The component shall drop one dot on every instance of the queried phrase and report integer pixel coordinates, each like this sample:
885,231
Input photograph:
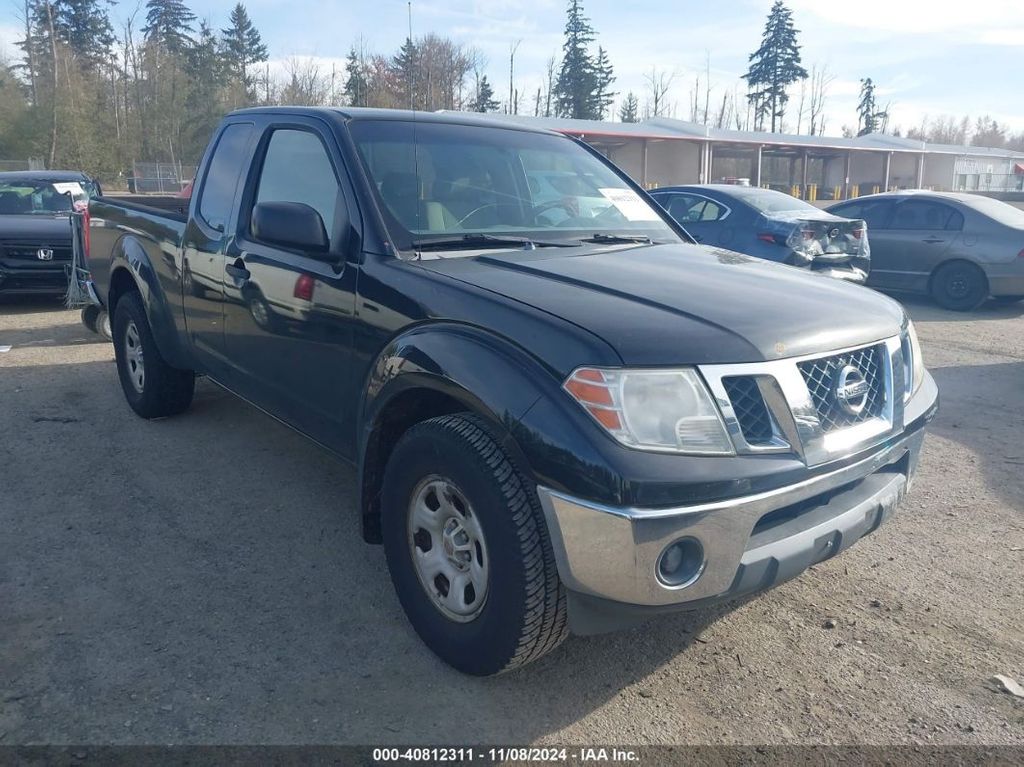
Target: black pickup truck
564,413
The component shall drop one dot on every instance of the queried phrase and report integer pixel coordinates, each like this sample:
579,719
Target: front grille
822,378
751,412
29,251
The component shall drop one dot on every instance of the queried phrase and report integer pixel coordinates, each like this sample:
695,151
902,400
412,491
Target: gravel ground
202,580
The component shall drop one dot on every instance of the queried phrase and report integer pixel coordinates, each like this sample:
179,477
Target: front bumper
48,281
608,557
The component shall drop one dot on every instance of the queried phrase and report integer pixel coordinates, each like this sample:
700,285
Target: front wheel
468,548
153,388
959,286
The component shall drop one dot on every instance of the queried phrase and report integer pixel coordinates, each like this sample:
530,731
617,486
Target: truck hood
684,304
35,227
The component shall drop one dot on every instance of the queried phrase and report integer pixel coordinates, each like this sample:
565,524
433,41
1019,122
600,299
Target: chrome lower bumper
613,553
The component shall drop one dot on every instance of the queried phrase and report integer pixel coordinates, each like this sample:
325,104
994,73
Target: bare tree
513,100
821,80
658,83
305,84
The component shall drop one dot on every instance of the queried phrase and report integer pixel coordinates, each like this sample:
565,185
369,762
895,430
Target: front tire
153,388
468,548
959,286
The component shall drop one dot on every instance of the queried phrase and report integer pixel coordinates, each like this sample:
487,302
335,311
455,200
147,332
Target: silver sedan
958,248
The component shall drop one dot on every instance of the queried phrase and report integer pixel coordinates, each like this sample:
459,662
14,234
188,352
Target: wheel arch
434,371
132,270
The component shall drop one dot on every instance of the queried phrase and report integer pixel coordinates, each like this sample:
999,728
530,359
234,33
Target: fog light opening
681,563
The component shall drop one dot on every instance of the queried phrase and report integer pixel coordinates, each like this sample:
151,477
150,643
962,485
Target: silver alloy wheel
133,357
446,543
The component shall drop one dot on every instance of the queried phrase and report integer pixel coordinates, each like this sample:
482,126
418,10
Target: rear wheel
468,548
153,388
959,286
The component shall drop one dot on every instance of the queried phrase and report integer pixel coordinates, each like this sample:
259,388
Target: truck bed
164,206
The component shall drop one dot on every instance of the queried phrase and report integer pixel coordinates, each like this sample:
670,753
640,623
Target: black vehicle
564,414
769,224
35,237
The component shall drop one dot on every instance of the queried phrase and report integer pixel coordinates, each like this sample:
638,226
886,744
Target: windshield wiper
600,237
479,240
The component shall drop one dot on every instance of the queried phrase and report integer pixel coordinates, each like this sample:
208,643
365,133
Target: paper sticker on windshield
72,187
630,205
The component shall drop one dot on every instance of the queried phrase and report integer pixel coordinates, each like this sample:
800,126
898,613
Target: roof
43,175
654,128
406,115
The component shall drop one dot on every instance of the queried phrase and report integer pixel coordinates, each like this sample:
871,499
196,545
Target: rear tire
517,612
959,286
153,388
90,315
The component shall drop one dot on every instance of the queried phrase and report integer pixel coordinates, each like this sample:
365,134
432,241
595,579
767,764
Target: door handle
238,271
933,240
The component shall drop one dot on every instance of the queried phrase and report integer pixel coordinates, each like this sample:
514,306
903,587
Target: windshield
37,197
438,181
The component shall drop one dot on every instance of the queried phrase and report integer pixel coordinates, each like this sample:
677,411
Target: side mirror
290,224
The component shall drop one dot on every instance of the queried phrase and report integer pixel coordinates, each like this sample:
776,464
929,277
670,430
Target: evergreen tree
83,25
774,67
629,112
578,80
405,65
483,99
242,46
204,103
357,86
169,23
867,112
604,96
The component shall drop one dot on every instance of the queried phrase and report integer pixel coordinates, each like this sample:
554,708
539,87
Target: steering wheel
569,205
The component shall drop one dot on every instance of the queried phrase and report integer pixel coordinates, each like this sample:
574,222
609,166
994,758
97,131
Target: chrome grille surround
799,426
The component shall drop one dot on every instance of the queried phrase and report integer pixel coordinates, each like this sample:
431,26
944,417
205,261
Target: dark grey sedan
770,225
959,248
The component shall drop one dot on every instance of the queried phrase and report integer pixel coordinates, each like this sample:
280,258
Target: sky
927,58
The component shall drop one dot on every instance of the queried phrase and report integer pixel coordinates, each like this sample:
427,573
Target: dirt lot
202,580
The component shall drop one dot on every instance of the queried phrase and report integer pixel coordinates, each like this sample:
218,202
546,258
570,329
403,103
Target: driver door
289,312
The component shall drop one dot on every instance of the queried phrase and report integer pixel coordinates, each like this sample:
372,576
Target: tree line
84,93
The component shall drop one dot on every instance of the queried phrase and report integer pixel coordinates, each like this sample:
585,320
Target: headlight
663,410
913,362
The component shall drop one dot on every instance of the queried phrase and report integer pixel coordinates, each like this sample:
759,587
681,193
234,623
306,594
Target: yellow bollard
812,192
854,190
875,189
794,191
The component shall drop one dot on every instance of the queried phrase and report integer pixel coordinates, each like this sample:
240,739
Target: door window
926,215
218,192
297,168
874,213
688,209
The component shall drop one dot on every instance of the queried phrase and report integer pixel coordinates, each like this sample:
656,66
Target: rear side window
297,168
218,192
926,215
